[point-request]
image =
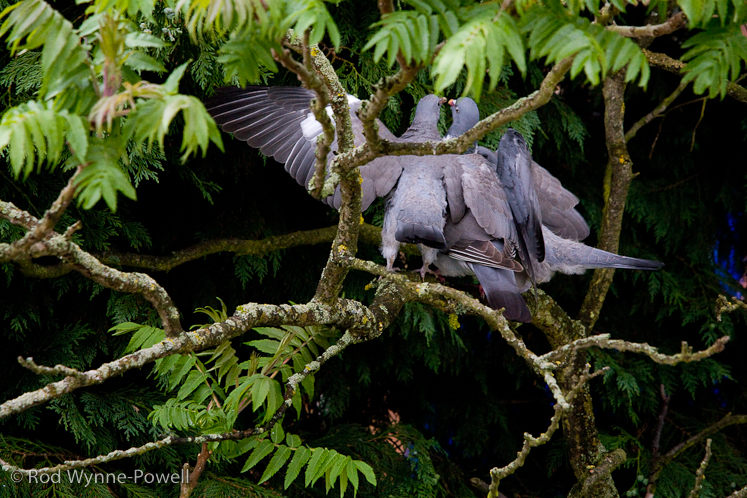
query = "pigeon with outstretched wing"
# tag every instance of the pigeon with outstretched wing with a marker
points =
(277, 120)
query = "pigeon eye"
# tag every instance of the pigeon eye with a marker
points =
(457, 109)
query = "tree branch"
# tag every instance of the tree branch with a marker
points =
(60, 246)
(618, 176)
(663, 61)
(741, 493)
(724, 306)
(666, 459)
(677, 21)
(308, 77)
(700, 474)
(369, 234)
(498, 474)
(656, 112)
(291, 387)
(686, 354)
(343, 313)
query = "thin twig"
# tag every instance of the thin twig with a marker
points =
(724, 306)
(498, 474)
(700, 473)
(702, 112)
(656, 112)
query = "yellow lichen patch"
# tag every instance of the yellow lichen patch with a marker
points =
(315, 51)
(454, 321)
(622, 159)
(341, 248)
(362, 220)
(368, 287)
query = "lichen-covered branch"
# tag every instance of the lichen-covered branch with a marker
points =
(308, 77)
(686, 355)
(343, 313)
(663, 61)
(666, 459)
(618, 176)
(724, 306)
(498, 474)
(700, 473)
(60, 246)
(44, 227)
(368, 152)
(434, 294)
(740, 493)
(55, 370)
(369, 234)
(292, 386)
(346, 239)
(677, 21)
(599, 475)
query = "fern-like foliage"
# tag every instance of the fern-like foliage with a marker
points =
(36, 133)
(715, 58)
(246, 54)
(31, 24)
(700, 13)
(45, 131)
(212, 393)
(554, 34)
(318, 462)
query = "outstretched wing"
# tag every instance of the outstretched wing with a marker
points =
(485, 198)
(558, 206)
(277, 120)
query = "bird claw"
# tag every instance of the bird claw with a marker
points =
(424, 270)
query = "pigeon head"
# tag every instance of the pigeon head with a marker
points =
(511, 145)
(429, 108)
(424, 125)
(464, 115)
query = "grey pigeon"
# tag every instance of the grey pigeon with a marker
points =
(556, 204)
(561, 254)
(428, 189)
(277, 120)
(454, 207)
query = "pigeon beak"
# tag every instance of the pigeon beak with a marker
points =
(451, 102)
(442, 101)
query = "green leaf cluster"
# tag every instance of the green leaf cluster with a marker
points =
(555, 34)
(319, 462)
(716, 57)
(73, 100)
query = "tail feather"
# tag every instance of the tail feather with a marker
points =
(417, 233)
(570, 256)
(502, 292)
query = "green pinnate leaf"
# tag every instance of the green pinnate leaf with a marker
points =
(264, 448)
(276, 463)
(316, 465)
(300, 458)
